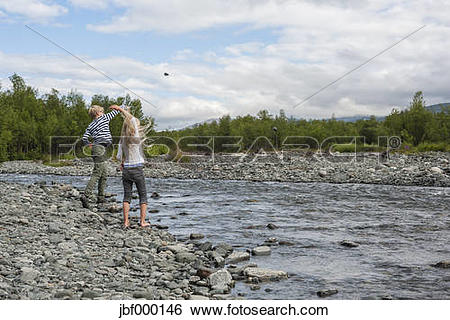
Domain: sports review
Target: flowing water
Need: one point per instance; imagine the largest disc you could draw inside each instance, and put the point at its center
(401, 232)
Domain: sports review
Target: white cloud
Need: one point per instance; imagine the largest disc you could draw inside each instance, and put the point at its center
(90, 4)
(33, 10)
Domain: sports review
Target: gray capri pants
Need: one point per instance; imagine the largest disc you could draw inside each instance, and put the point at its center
(136, 175)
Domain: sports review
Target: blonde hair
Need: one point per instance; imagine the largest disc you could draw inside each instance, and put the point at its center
(94, 110)
(128, 134)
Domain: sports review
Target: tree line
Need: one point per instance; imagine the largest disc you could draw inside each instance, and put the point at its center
(29, 119)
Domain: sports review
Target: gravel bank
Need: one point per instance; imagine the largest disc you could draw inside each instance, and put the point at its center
(52, 248)
(430, 169)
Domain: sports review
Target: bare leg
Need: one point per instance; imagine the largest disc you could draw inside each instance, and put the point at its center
(143, 212)
(126, 210)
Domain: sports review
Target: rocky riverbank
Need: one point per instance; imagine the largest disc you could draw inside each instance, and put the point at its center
(430, 169)
(52, 248)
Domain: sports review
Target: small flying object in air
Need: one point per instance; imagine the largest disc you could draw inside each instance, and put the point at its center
(166, 74)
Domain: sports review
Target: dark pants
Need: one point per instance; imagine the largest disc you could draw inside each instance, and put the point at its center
(135, 175)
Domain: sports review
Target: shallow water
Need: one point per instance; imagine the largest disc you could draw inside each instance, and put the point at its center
(401, 231)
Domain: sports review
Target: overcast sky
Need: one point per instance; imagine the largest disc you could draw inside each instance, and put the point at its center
(233, 57)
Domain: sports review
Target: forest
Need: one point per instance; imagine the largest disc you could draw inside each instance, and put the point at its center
(29, 120)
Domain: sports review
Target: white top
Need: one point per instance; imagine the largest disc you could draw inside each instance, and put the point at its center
(133, 152)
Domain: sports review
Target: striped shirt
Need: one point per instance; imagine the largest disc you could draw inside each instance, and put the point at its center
(98, 129)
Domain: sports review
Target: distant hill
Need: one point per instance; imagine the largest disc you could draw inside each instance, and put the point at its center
(436, 108)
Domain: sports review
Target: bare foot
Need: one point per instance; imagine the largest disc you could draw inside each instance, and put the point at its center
(145, 224)
(126, 225)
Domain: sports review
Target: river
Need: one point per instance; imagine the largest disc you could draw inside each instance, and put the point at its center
(401, 231)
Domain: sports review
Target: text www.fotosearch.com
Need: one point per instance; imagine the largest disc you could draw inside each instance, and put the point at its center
(229, 310)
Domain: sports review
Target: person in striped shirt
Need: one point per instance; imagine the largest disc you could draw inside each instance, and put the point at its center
(98, 131)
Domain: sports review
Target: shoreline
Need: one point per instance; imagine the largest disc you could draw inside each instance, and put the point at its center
(430, 169)
(52, 248)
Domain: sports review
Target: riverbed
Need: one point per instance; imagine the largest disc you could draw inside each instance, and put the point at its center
(398, 232)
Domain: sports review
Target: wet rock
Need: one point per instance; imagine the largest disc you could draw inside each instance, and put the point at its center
(261, 251)
(218, 260)
(90, 294)
(326, 293)
(272, 226)
(442, 264)
(155, 195)
(285, 243)
(322, 173)
(237, 256)
(263, 274)
(196, 236)
(255, 287)
(348, 244)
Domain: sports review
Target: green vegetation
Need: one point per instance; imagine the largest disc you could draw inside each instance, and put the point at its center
(28, 120)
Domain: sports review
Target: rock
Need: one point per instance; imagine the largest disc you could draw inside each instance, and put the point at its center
(224, 247)
(176, 248)
(442, 264)
(153, 211)
(114, 208)
(263, 274)
(220, 280)
(348, 244)
(436, 170)
(204, 272)
(197, 297)
(63, 294)
(196, 236)
(237, 256)
(271, 226)
(205, 246)
(89, 294)
(285, 243)
(218, 260)
(154, 195)
(322, 173)
(28, 275)
(185, 257)
(326, 293)
(255, 287)
(261, 251)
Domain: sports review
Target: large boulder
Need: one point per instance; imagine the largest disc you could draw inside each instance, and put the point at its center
(220, 280)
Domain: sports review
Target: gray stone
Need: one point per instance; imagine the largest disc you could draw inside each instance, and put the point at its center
(442, 264)
(185, 257)
(238, 256)
(349, 244)
(198, 297)
(327, 293)
(28, 275)
(221, 279)
(263, 274)
(261, 251)
(196, 236)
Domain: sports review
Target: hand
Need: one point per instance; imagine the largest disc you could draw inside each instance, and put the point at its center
(115, 107)
(90, 145)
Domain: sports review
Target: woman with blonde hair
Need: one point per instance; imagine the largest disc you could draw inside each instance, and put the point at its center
(131, 155)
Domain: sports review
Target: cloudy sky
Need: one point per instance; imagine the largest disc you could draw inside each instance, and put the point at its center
(233, 56)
